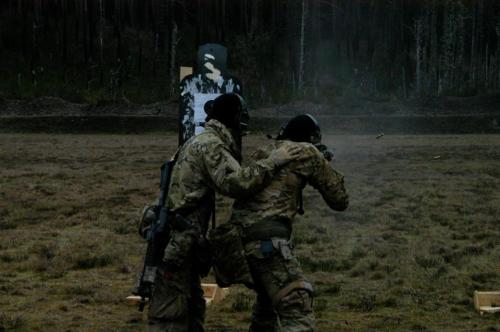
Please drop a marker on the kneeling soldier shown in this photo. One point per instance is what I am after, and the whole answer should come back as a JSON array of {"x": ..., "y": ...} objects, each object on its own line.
[{"x": 284, "y": 296}]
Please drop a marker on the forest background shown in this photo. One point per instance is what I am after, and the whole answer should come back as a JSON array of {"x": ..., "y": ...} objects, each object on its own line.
[{"x": 93, "y": 51}]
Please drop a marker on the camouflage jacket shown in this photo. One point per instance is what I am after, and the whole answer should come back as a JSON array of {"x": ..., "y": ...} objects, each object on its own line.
[
  {"x": 208, "y": 163},
  {"x": 279, "y": 200}
]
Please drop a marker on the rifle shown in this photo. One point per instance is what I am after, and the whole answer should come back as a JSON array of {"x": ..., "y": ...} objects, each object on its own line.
[{"x": 157, "y": 237}]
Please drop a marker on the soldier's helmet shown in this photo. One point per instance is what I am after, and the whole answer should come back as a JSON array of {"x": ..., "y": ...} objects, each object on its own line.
[
  {"x": 302, "y": 128},
  {"x": 230, "y": 109}
]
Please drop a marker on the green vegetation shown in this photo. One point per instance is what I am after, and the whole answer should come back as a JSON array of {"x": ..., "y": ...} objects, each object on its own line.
[{"x": 420, "y": 236}]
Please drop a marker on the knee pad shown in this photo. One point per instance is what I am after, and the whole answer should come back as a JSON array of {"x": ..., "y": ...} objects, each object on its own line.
[
  {"x": 297, "y": 300},
  {"x": 296, "y": 293}
]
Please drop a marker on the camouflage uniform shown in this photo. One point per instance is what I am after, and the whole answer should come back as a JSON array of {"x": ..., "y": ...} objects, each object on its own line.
[
  {"x": 284, "y": 296},
  {"x": 207, "y": 163}
]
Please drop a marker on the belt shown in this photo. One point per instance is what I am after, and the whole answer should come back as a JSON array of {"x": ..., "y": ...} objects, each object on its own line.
[{"x": 264, "y": 230}]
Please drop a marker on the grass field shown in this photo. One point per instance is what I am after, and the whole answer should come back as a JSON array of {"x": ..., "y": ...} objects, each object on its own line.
[{"x": 421, "y": 234}]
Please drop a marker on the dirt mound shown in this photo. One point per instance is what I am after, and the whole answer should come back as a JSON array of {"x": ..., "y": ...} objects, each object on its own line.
[
  {"x": 345, "y": 116},
  {"x": 52, "y": 106}
]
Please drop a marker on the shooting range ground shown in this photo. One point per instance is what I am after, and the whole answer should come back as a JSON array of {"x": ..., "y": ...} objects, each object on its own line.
[{"x": 421, "y": 233}]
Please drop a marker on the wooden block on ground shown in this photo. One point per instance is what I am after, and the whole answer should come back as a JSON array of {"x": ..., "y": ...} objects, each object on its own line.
[
  {"x": 487, "y": 301},
  {"x": 134, "y": 300},
  {"x": 214, "y": 293}
]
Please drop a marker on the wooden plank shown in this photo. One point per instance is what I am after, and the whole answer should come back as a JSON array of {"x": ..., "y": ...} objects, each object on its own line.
[
  {"x": 211, "y": 293},
  {"x": 134, "y": 300},
  {"x": 488, "y": 309},
  {"x": 214, "y": 293},
  {"x": 487, "y": 301},
  {"x": 185, "y": 71}
]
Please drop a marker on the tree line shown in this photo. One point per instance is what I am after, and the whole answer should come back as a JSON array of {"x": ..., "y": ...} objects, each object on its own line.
[{"x": 93, "y": 50}]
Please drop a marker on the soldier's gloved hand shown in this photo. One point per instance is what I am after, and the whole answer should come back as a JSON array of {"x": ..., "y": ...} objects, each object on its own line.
[{"x": 285, "y": 154}]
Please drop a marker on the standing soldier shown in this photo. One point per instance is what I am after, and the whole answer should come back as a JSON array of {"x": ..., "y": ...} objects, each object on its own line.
[
  {"x": 284, "y": 296},
  {"x": 207, "y": 163}
]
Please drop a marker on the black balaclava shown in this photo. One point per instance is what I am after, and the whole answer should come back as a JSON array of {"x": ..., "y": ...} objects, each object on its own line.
[
  {"x": 230, "y": 110},
  {"x": 302, "y": 128}
]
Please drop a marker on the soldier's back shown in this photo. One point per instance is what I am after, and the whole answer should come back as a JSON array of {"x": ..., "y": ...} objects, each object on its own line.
[{"x": 279, "y": 200}]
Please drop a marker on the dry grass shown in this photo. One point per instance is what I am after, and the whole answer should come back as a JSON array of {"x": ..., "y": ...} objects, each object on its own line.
[{"x": 420, "y": 235}]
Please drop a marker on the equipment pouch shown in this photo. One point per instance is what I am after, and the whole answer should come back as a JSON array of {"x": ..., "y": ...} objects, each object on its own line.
[
  {"x": 230, "y": 264},
  {"x": 179, "y": 247}
]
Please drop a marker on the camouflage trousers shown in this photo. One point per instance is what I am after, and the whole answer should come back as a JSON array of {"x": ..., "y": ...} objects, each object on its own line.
[
  {"x": 284, "y": 296},
  {"x": 177, "y": 303}
]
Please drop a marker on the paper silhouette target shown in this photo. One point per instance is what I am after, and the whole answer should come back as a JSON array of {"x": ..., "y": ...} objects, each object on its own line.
[{"x": 208, "y": 82}]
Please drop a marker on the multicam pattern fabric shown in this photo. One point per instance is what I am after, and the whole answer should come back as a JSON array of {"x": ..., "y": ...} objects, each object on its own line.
[
  {"x": 293, "y": 313},
  {"x": 279, "y": 200},
  {"x": 207, "y": 163},
  {"x": 178, "y": 304},
  {"x": 284, "y": 296},
  {"x": 228, "y": 256}
]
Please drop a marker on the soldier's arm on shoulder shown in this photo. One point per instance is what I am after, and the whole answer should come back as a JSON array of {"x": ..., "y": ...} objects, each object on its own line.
[
  {"x": 330, "y": 183},
  {"x": 233, "y": 180}
]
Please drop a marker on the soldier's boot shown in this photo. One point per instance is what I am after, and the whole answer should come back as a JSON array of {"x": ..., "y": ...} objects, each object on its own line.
[{"x": 295, "y": 312}]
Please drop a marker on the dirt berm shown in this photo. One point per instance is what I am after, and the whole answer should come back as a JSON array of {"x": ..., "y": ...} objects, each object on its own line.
[{"x": 346, "y": 116}]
